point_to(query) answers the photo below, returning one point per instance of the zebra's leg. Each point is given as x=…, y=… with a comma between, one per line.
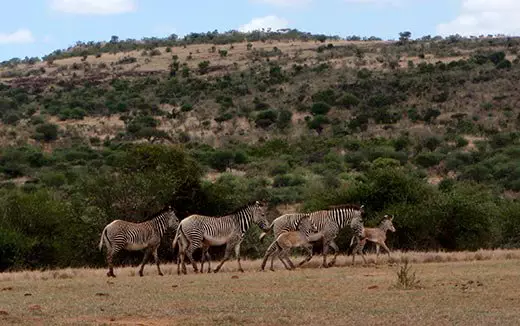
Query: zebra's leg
x=156, y=258
x=308, y=248
x=189, y=253
x=237, y=253
x=285, y=253
x=227, y=254
x=202, y=258
x=360, y=247
x=110, y=261
x=208, y=258
x=283, y=261
x=387, y=250
x=147, y=254
x=205, y=256
x=377, y=252
x=336, y=251
x=324, y=253
x=269, y=252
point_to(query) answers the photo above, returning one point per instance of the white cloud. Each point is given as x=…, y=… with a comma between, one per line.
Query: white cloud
x=20, y=36
x=376, y=2
x=266, y=22
x=482, y=17
x=284, y=3
x=94, y=7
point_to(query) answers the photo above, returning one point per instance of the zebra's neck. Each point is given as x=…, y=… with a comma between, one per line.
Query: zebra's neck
x=244, y=218
x=160, y=223
x=383, y=227
x=343, y=216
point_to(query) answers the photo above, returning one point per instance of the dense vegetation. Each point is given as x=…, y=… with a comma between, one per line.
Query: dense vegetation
x=424, y=129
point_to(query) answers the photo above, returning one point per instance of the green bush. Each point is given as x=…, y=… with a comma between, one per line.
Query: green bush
x=320, y=108
x=429, y=159
x=349, y=100
x=46, y=132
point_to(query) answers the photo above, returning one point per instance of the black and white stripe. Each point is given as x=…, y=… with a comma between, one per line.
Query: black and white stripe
x=328, y=224
x=122, y=235
x=201, y=231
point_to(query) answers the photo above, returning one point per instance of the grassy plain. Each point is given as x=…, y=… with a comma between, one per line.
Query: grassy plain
x=479, y=288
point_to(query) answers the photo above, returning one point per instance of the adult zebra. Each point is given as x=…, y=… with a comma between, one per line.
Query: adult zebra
x=328, y=222
x=201, y=231
x=119, y=235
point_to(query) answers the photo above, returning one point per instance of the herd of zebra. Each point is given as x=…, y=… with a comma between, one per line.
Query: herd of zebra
x=199, y=231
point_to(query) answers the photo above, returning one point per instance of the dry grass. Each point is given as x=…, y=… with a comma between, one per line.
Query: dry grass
x=460, y=288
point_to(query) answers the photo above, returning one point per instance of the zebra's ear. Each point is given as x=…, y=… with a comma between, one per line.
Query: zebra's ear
x=362, y=206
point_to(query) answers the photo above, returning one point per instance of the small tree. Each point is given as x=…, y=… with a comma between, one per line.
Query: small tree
x=203, y=67
x=404, y=37
x=223, y=53
x=46, y=132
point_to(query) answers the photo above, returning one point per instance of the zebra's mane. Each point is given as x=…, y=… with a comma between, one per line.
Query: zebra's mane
x=251, y=203
x=352, y=206
x=168, y=208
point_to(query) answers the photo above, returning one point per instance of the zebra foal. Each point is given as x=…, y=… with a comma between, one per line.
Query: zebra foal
x=292, y=239
x=375, y=235
x=119, y=235
x=201, y=231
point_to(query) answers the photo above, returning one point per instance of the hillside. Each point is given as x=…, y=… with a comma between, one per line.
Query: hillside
x=303, y=120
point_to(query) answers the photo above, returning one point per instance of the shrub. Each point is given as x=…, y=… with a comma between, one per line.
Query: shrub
x=320, y=108
x=155, y=52
x=327, y=96
x=349, y=100
x=266, y=118
x=429, y=159
x=46, y=132
x=504, y=64
x=284, y=119
x=186, y=107
x=287, y=180
x=318, y=122
x=203, y=67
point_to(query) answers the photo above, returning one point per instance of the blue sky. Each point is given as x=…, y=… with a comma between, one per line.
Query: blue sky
x=37, y=27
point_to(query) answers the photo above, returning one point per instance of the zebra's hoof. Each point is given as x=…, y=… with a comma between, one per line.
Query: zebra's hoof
x=161, y=274
x=241, y=270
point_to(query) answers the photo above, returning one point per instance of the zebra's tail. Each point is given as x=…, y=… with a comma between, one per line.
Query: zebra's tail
x=266, y=232
x=176, y=239
x=103, y=239
x=352, y=245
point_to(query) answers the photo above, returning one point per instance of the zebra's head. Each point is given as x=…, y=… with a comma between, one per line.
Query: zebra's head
x=387, y=224
x=259, y=211
x=306, y=226
x=173, y=221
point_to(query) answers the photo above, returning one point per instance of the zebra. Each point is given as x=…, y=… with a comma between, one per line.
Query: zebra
x=328, y=223
x=287, y=223
x=201, y=231
x=119, y=235
x=292, y=239
x=376, y=235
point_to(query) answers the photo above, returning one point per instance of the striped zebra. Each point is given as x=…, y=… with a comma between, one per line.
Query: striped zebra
x=200, y=231
x=119, y=235
x=328, y=223
x=292, y=239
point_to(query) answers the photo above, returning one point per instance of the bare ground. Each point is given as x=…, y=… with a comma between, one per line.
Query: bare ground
x=477, y=288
